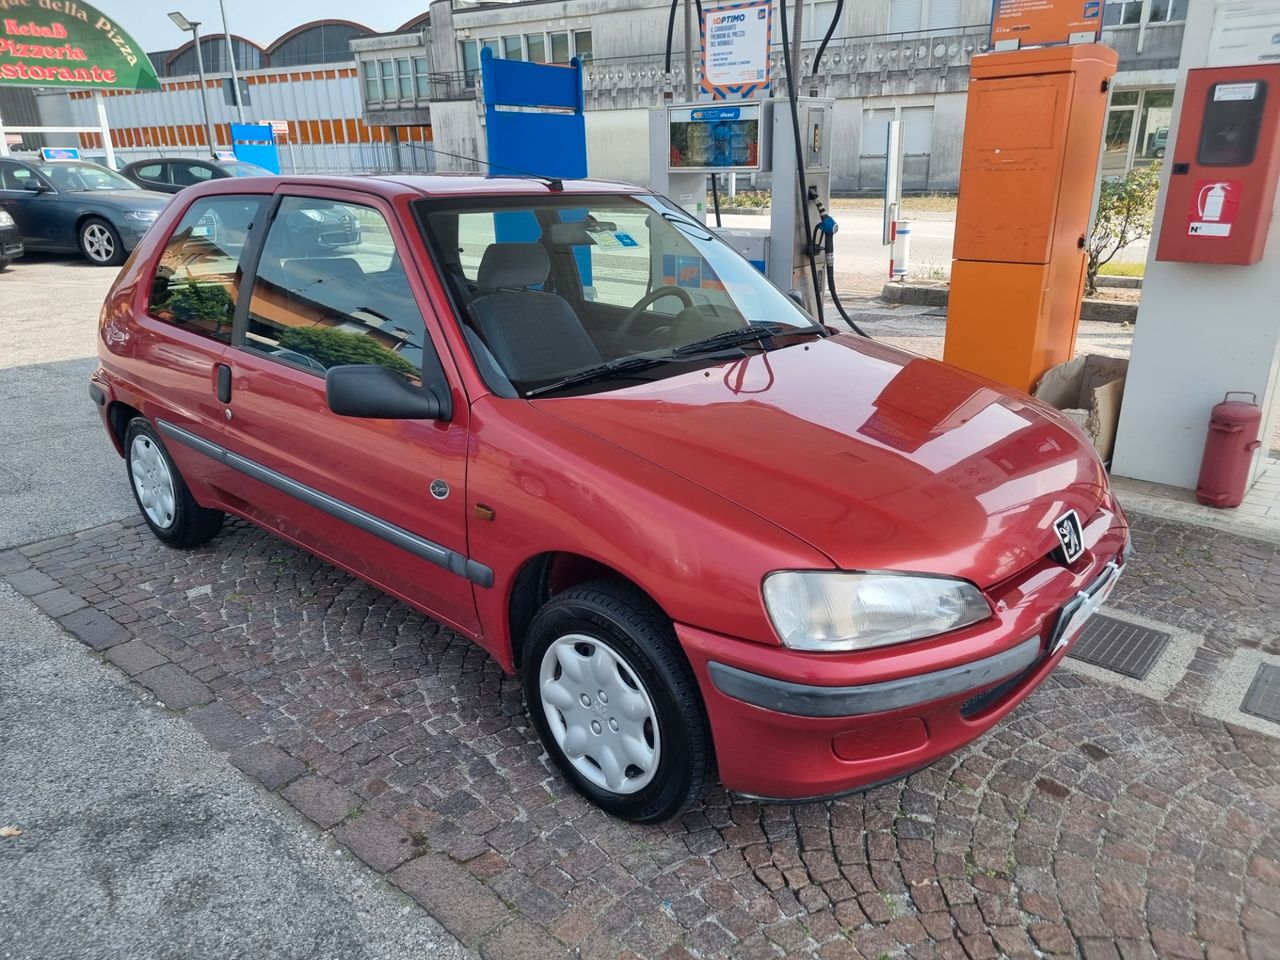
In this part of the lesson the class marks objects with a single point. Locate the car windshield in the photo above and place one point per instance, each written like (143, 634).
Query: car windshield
(575, 293)
(239, 169)
(74, 177)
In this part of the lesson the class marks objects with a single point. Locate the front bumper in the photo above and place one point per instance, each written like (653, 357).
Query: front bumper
(11, 246)
(793, 725)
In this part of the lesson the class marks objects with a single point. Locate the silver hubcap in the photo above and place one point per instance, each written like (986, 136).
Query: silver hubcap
(600, 713)
(98, 242)
(152, 481)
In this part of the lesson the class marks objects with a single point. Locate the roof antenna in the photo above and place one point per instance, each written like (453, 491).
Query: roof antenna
(552, 183)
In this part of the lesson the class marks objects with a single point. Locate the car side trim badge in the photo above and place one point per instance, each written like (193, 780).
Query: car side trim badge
(429, 550)
(1070, 536)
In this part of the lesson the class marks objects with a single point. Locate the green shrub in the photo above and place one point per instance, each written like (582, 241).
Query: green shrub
(1126, 210)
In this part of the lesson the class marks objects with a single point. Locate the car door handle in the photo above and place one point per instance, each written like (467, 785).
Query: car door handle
(224, 383)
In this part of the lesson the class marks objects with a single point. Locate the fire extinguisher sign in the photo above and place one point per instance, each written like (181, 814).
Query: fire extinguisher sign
(1214, 206)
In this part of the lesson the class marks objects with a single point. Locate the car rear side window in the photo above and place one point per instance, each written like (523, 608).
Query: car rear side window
(198, 277)
(152, 171)
(331, 290)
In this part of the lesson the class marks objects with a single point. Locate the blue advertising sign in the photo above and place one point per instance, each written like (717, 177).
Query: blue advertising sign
(60, 153)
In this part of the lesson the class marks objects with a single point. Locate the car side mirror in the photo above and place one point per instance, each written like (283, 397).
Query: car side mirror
(373, 391)
(35, 186)
(798, 297)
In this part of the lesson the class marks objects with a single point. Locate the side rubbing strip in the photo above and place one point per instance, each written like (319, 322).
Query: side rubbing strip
(428, 550)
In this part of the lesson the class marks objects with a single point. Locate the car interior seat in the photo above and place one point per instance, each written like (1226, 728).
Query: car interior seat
(535, 335)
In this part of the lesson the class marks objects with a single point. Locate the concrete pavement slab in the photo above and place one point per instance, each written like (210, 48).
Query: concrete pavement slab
(139, 841)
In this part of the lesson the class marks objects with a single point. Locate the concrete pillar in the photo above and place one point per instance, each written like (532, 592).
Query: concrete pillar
(1201, 330)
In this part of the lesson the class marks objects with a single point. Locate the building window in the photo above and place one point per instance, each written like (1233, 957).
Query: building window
(372, 89)
(1154, 117)
(387, 69)
(875, 131)
(404, 78)
(469, 57)
(492, 46)
(421, 78)
(560, 48)
(1167, 11)
(582, 45)
(1119, 13)
(537, 46)
(906, 16)
(511, 49)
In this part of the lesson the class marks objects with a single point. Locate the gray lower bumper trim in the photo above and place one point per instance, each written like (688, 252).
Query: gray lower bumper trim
(805, 700)
(428, 550)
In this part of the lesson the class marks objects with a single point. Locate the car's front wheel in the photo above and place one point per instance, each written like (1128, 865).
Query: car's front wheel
(162, 495)
(615, 702)
(100, 243)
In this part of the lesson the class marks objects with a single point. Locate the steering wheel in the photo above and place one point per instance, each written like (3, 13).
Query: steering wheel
(629, 321)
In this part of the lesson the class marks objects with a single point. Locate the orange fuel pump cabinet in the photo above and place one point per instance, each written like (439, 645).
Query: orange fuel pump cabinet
(1033, 132)
(1228, 451)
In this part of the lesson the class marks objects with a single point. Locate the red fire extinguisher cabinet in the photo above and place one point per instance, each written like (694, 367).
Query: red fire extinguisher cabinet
(1228, 450)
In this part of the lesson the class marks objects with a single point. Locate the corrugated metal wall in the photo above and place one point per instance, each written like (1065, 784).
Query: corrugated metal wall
(321, 106)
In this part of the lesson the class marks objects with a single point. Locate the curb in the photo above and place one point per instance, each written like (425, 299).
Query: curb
(934, 294)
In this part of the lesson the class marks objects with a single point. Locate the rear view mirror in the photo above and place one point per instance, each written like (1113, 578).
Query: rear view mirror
(377, 392)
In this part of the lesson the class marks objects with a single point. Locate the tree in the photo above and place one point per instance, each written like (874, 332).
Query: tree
(1126, 210)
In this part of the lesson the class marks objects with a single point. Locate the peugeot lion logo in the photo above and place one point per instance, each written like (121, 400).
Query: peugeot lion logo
(1067, 527)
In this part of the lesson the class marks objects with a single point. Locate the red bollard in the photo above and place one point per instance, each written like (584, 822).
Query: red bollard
(1228, 451)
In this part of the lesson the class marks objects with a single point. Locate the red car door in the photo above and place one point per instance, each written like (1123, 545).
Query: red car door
(384, 498)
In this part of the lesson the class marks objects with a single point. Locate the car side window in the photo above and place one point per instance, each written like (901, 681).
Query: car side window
(152, 171)
(18, 178)
(189, 174)
(198, 276)
(331, 290)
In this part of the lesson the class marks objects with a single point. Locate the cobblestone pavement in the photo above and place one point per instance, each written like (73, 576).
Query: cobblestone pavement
(1094, 821)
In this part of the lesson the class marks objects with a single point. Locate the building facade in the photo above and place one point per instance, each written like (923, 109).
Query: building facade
(410, 99)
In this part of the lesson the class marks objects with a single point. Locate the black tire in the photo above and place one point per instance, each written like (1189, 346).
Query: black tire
(100, 243)
(631, 624)
(181, 522)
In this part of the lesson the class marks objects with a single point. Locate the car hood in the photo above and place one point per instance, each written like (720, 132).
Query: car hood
(126, 199)
(879, 458)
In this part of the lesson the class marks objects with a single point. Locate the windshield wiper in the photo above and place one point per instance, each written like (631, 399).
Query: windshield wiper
(743, 335)
(604, 371)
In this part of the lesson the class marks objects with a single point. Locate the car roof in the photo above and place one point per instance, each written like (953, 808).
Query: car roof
(424, 185)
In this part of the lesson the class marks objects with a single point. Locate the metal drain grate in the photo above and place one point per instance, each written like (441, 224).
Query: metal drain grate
(1263, 698)
(1120, 646)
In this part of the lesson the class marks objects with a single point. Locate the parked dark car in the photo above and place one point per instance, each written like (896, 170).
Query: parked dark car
(64, 206)
(10, 240)
(171, 174)
(336, 228)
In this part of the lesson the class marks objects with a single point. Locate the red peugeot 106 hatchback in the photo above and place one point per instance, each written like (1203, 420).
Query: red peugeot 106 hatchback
(568, 421)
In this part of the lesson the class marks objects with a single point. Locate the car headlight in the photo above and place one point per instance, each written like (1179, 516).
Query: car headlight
(5, 219)
(834, 611)
(142, 216)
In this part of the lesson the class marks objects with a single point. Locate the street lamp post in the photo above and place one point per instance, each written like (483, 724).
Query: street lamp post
(193, 27)
(231, 58)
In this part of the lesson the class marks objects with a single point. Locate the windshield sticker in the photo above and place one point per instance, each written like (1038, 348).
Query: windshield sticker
(601, 236)
(626, 239)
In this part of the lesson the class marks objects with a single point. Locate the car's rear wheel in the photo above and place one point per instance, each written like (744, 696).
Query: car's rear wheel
(100, 243)
(615, 702)
(162, 495)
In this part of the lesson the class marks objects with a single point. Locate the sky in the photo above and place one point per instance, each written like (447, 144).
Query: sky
(261, 21)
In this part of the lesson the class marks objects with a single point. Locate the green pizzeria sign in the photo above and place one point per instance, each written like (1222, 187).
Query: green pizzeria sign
(65, 43)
